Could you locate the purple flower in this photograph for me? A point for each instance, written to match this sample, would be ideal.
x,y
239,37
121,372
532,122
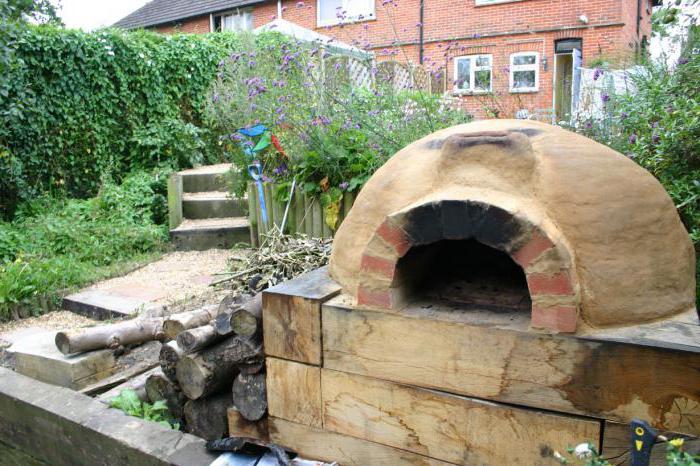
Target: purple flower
x,y
682,61
344,185
597,74
605,98
623,115
632,139
281,170
655,138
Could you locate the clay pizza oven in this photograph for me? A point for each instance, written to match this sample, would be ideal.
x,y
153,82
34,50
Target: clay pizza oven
x,y
518,216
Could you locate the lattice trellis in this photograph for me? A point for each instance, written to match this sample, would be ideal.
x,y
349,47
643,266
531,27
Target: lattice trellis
x,y
340,70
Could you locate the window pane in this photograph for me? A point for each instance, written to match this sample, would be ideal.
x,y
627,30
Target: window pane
x,y
463,68
524,60
356,8
524,79
483,61
328,10
247,21
482,80
228,23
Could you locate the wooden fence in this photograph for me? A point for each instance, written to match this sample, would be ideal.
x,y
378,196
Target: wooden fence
x,y
306,215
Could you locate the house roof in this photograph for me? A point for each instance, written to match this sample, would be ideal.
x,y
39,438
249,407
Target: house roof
x,y
167,11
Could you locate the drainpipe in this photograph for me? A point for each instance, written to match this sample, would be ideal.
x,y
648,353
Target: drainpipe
x,y
639,15
279,9
421,29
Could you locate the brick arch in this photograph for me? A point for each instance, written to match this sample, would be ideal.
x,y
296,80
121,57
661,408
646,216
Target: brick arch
x,y
546,263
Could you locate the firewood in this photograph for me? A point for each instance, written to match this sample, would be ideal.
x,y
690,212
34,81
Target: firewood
x,y
170,354
137,384
109,336
206,417
197,338
249,396
203,373
159,387
178,323
243,319
246,320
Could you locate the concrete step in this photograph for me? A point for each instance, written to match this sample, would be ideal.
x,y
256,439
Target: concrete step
x,y
209,178
210,233
212,204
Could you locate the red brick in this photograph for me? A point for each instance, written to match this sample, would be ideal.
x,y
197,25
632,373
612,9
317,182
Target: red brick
x,y
372,298
533,249
378,266
543,284
395,236
556,318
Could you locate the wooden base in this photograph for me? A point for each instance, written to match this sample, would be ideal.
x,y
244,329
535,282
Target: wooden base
x,y
443,385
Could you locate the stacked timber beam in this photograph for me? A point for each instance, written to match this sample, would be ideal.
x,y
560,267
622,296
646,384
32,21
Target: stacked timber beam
x,y
211,360
434,386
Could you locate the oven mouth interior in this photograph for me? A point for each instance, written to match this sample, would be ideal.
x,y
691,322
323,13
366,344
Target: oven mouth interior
x,y
464,273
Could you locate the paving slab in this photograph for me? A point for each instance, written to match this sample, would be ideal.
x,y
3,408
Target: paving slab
x,y
35,355
175,276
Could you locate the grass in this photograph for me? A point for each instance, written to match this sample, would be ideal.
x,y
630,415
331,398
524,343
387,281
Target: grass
x,y
53,246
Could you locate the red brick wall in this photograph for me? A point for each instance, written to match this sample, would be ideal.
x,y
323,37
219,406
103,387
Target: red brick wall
x,y
459,27
196,25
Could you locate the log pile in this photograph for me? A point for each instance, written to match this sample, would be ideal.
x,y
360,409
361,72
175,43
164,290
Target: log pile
x,y
211,360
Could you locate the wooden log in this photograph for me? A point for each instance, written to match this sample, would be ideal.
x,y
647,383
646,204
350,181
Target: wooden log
x,y
246,320
292,316
250,307
294,392
160,388
214,368
206,417
137,383
249,396
238,426
198,338
109,336
170,354
406,417
497,357
178,323
311,442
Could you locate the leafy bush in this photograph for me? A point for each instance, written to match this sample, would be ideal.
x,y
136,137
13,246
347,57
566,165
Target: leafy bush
x,y
75,106
128,401
334,133
53,245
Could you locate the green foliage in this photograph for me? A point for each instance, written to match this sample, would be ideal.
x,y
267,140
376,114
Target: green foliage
x,y
55,244
75,106
585,454
334,133
128,401
658,126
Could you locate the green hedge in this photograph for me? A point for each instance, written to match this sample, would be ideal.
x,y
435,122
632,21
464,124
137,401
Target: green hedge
x,y
75,106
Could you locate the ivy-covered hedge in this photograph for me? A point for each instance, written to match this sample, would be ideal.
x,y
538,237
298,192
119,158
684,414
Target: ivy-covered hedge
x,y
75,106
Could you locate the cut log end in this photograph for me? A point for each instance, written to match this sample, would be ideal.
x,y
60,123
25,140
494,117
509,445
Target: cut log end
x,y
169,356
172,329
193,378
249,396
63,343
243,323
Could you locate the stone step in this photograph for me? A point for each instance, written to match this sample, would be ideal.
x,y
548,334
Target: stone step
x,y
209,178
210,233
212,204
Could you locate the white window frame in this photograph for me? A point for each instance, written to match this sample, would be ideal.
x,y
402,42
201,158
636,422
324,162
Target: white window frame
x,y
335,20
472,74
237,11
530,67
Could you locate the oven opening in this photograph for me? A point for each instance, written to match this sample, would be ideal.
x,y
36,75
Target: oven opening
x,y
464,273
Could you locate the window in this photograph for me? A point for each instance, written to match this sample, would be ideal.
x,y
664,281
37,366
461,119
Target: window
x,y
239,20
524,72
332,12
473,74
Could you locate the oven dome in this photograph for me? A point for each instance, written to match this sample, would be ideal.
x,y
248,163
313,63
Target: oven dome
x,y
599,240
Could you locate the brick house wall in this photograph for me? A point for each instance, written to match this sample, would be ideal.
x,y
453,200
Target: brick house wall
x,y
455,28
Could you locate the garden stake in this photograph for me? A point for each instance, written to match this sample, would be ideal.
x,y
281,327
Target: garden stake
x,y
289,201
643,437
255,172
